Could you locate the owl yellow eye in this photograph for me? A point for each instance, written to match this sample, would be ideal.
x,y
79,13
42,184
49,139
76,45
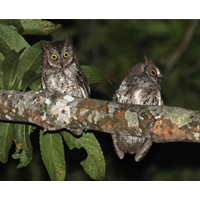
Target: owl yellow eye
x,y
66,54
153,72
53,56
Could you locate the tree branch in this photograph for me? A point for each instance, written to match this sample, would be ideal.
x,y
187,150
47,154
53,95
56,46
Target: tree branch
x,y
169,63
54,111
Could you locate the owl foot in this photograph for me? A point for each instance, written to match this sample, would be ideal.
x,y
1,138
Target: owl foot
x,y
77,131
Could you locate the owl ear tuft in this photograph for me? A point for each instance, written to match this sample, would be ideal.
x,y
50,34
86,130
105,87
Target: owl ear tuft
x,y
147,61
68,41
44,45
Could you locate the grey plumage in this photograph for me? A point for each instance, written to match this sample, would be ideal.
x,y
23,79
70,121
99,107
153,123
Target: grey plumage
x,y
141,86
61,71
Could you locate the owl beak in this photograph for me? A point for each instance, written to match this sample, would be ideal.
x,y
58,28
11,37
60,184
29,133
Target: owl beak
x,y
160,75
61,63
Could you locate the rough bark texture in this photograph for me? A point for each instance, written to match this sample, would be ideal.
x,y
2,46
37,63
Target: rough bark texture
x,y
54,111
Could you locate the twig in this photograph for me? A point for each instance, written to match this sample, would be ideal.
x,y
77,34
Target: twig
x,y
183,45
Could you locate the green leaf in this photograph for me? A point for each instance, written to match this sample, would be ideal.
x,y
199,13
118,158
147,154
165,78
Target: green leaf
x,y
31,60
93,74
36,84
52,152
22,141
94,164
10,39
2,57
13,22
28,78
38,26
1,75
6,140
9,68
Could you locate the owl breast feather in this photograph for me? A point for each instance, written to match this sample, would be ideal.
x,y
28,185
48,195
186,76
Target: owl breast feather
x,y
63,81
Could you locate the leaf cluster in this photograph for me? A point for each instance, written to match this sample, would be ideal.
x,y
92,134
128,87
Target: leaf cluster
x,y
20,69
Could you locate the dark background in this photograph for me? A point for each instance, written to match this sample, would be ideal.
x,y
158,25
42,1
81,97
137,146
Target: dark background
x,y
114,46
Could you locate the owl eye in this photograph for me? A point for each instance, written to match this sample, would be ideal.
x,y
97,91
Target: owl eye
x,y
153,72
66,54
53,56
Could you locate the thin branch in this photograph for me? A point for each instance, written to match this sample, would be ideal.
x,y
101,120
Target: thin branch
x,y
171,62
54,111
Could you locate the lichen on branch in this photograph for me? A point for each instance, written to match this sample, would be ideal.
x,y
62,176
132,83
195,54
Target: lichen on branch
x,y
55,111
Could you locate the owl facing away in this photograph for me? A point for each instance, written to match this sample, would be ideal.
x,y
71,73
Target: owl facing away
x,y
61,71
141,86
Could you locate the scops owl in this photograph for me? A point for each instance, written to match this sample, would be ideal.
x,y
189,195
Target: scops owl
x,y
61,71
141,86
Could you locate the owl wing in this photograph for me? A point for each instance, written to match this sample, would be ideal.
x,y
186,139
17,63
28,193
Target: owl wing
x,y
129,91
79,78
83,83
44,81
138,91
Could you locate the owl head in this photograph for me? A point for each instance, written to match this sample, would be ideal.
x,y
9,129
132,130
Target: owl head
x,y
147,69
59,54
152,71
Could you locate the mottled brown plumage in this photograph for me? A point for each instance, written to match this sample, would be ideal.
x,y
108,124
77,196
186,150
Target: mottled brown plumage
x,y
141,86
61,71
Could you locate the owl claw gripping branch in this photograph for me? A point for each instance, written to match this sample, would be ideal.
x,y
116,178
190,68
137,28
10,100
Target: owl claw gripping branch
x,y
141,86
61,71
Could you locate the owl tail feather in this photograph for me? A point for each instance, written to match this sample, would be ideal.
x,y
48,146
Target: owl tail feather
x,y
143,150
120,154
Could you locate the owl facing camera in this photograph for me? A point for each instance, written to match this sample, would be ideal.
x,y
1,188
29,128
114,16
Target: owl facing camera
x,y
61,71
